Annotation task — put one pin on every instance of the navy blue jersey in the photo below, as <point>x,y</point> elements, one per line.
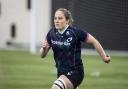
<point>67,47</point>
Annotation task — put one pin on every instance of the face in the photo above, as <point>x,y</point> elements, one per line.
<point>60,20</point>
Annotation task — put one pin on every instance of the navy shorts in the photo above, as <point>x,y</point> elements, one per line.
<point>75,76</point>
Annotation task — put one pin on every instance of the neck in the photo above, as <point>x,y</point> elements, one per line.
<point>61,31</point>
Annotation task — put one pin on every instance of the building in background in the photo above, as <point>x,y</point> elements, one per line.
<point>16,18</point>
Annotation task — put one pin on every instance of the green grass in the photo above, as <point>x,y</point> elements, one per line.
<point>21,70</point>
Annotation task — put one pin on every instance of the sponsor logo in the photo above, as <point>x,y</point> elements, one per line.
<point>66,43</point>
<point>60,43</point>
<point>69,39</point>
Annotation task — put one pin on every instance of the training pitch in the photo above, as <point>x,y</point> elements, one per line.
<point>21,70</point>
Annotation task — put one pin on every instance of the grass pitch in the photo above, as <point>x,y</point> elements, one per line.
<point>21,70</point>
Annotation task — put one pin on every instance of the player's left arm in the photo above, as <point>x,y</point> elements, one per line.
<point>98,47</point>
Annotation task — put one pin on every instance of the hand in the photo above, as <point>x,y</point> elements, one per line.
<point>45,45</point>
<point>44,49</point>
<point>107,59</point>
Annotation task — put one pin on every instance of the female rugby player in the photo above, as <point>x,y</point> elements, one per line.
<point>65,41</point>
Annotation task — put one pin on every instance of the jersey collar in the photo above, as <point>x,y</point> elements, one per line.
<point>61,32</point>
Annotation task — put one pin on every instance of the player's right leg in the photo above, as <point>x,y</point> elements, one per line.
<point>77,88</point>
<point>55,87</point>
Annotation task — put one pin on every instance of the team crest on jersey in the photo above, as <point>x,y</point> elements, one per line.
<point>67,33</point>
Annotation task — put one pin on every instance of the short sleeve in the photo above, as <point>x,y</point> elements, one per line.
<point>48,37</point>
<point>82,35</point>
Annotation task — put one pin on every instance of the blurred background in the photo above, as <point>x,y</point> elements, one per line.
<point>25,23</point>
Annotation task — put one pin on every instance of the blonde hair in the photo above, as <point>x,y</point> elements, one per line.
<point>67,15</point>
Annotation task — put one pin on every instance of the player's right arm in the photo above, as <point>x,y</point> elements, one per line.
<point>44,49</point>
